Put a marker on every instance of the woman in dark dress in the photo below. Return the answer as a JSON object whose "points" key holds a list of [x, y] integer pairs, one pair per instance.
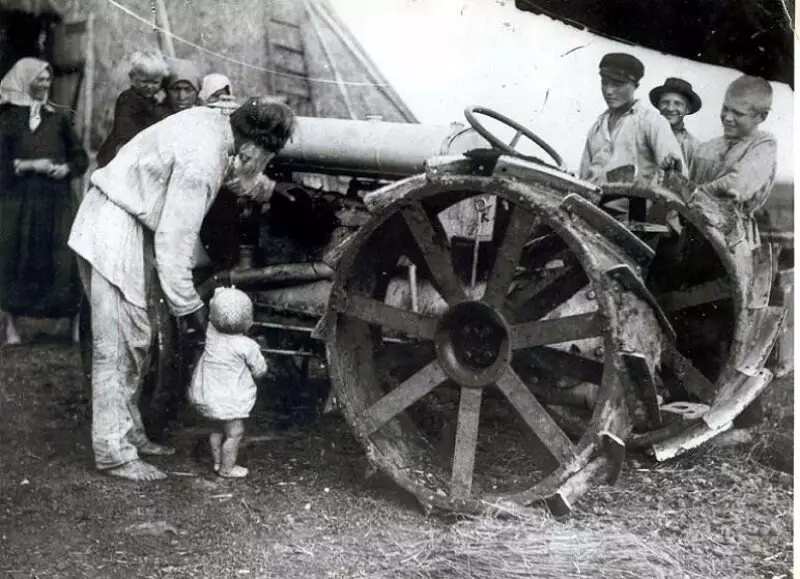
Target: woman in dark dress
{"points": [[39, 154]]}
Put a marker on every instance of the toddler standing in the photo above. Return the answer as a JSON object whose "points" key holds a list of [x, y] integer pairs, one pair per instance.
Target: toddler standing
{"points": [[223, 387], [138, 106]]}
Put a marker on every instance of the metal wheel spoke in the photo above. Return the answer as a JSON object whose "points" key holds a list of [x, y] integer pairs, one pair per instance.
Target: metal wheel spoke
{"points": [[555, 331], [536, 417], [388, 317], [417, 386], [433, 247], [469, 410], [508, 255], [704, 293]]}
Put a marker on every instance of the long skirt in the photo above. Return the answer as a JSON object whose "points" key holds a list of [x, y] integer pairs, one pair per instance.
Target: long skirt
{"points": [[38, 271]]}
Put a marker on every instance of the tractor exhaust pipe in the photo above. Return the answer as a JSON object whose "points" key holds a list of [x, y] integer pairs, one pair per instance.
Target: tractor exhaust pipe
{"points": [[268, 277]]}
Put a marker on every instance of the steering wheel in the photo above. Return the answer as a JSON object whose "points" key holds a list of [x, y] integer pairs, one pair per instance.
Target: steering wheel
{"points": [[509, 149]]}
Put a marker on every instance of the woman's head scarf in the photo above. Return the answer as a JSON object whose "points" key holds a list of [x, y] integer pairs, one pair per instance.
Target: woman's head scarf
{"points": [[212, 83], [183, 71], [15, 87]]}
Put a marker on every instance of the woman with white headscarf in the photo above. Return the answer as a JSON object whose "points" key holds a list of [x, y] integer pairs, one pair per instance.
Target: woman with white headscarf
{"points": [[214, 87], [39, 153], [216, 92], [182, 85]]}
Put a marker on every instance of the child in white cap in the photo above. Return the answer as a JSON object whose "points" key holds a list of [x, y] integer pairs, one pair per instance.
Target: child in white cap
{"points": [[223, 386]]}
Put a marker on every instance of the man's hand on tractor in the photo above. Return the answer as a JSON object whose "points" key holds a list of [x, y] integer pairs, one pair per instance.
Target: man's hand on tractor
{"points": [[671, 163]]}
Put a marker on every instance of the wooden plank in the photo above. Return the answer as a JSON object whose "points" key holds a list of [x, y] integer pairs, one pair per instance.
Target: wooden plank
{"points": [[646, 228], [692, 379], [508, 255], [704, 293], [286, 23], [290, 70], [555, 331], [565, 364], [388, 317], [645, 383], [469, 409], [284, 85], [536, 417], [417, 386], [435, 252], [546, 295], [288, 61], [531, 289], [287, 47]]}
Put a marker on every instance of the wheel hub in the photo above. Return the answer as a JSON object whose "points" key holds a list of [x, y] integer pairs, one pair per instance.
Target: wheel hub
{"points": [[472, 344]]}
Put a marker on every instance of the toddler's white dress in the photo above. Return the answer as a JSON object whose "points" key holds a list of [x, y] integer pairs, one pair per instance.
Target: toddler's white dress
{"points": [[222, 385]]}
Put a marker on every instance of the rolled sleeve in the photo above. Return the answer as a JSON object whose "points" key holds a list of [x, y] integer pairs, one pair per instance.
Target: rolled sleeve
{"points": [[751, 178]]}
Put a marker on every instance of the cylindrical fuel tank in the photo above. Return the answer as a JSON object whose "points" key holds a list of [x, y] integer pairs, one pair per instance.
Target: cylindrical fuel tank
{"points": [[372, 148]]}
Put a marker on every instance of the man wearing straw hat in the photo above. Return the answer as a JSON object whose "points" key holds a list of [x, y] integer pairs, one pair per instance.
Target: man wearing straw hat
{"points": [[675, 99]]}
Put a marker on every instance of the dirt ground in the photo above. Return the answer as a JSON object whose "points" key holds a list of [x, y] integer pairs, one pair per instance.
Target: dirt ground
{"points": [[309, 510]]}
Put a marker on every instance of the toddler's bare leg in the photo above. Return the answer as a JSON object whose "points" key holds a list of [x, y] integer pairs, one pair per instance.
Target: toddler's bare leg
{"points": [[75, 328], [234, 430], [215, 440], [12, 335]]}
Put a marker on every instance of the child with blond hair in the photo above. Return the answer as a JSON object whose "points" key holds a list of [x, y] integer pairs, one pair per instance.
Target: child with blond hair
{"points": [[137, 107], [223, 385], [740, 165], [734, 172]]}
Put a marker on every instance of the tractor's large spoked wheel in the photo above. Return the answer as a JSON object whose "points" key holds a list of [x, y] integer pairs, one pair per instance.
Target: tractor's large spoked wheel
{"points": [[445, 378], [712, 282]]}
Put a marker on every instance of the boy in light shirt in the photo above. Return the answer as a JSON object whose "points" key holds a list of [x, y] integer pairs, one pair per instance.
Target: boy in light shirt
{"points": [[740, 165]]}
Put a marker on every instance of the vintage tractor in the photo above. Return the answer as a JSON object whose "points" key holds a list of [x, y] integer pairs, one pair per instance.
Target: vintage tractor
{"points": [[495, 329]]}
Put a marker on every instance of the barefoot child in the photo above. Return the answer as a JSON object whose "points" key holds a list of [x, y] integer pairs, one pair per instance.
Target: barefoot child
{"points": [[223, 387]]}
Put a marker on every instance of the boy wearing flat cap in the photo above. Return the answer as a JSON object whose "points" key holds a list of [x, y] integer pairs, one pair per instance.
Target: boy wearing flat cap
{"points": [[675, 99], [627, 133], [740, 165]]}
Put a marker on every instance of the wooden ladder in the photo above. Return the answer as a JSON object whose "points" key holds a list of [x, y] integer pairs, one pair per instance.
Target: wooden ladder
{"points": [[287, 58]]}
